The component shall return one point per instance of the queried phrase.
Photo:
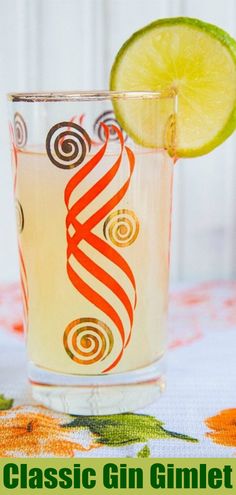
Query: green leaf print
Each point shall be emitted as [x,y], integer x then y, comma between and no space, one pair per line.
[144,452]
[124,429]
[5,403]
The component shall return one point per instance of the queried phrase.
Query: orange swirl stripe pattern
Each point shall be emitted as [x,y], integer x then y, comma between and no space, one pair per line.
[23,275]
[84,231]
[24,286]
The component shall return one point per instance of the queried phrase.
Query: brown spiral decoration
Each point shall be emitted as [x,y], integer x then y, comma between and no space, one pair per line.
[20,130]
[19,216]
[88,340]
[109,119]
[67,144]
[121,227]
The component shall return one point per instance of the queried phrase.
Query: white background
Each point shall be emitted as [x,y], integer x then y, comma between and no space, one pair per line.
[70,44]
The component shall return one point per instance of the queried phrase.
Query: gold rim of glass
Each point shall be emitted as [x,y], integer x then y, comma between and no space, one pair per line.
[88,95]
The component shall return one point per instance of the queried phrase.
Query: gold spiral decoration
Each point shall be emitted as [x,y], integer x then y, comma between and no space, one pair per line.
[20,130]
[108,118]
[67,144]
[19,216]
[170,135]
[121,227]
[88,340]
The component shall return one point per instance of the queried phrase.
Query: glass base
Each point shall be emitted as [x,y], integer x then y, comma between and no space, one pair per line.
[100,394]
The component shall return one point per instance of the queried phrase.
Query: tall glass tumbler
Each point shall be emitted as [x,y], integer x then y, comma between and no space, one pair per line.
[93,214]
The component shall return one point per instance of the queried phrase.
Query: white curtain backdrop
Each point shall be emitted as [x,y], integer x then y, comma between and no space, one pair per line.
[70,44]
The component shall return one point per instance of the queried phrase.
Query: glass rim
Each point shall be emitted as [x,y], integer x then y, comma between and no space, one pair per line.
[56,96]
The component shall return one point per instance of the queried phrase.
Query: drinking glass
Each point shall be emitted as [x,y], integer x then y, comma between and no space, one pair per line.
[93,207]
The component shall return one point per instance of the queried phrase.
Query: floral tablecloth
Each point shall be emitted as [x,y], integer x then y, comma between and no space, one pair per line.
[195,417]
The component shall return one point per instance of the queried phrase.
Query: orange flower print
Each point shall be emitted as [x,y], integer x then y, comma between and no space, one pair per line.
[224,427]
[34,432]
